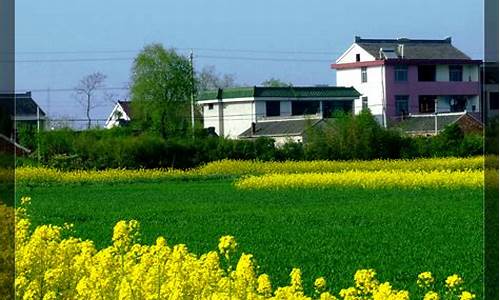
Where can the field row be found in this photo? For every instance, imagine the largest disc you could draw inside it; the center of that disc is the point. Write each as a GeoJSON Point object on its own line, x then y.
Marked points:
{"type": "Point", "coordinates": [32, 175]}
{"type": "Point", "coordinates": [49, 266]}
{"type": "Point", "coordinates": [369, 180]}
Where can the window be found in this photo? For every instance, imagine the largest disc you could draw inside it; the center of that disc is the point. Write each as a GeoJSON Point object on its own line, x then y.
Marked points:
{"type": "Point", "coordinates": [364, 75]}
{"type": "Point", "coordinates": [402, 105]}
{"type": "Point", "coordinates": [493, 100]}
{"type": "Point", "coordinates": [458, 103]}
{"type": "Point", "coordinates": [358, 57]}
{"type": "Point", "coordinates": [426, 104]}
{"type": "Point", "coordinates": [427, 73]}
{"type": "Point", "coordinates": [456, 73]}
{"type": "Point", "coordinates": [364, 103]}
{"type": "Point", "coordinates": [401, 73]}
{"type": "Point", "coordinates": [272, 108]}
{"type": "Point", "coordinates": [300, 108]}
{"type": "Point", "coordinates": [210, 106]}
{"type": "Point", "coordinates": [332, 107]}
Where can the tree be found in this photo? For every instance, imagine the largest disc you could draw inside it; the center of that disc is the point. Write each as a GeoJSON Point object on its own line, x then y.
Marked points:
{"type": "Point", "coordinates": [209, 79]}
{"type": "Point", "coordinates": [86, 90]}
{"type": "Point", "coordinates": [161, 90]}
{"type": "Point", "coordinates": [273, 82]}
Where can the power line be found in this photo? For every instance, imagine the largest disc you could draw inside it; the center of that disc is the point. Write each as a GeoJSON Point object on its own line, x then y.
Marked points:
{"type": "Point", "coordinates": [183, 49]}
{"type": "Point", "coordinates": [70, 89]}
{"type": "Point", "coordinates": [245, 58]}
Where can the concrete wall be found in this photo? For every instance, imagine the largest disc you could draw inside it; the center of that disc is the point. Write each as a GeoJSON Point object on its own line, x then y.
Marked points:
{"type": "Point", "coordinates": [350, 55]}
{"type": "Point", "coordinates": [469, 72]}
{"type": "Point", "coordinates": [117, 114]}
{"type": "Point", "coordinates": [373, 88]}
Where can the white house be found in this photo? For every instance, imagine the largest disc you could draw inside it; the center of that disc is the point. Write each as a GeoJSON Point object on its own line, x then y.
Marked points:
{"type": "Point", "coordinates": [282, 113]}
{"type": "Point", "coordinates": [401, 77]}
{"type": "Point", "coordinates": [120, 115]}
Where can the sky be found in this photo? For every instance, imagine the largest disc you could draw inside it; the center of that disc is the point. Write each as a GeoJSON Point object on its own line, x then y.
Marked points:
{"type": "Point", "coordinates": [58, 41]}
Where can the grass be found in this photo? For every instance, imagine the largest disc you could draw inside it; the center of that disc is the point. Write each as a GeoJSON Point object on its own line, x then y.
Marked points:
{"type": "Point", "coordinates": [327, 232]}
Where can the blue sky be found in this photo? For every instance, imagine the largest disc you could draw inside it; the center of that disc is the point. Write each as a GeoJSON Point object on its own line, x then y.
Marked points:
{"type": "Point", "coordinates": [288, 39]}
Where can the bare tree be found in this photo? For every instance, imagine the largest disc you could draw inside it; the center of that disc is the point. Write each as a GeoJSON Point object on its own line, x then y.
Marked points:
{"type": "Point", "coordinates": [86, 90]}
{"type": "Point", "coordinates": [209, 79]}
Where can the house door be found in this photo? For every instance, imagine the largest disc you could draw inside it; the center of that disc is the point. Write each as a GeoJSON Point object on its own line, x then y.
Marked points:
{"type": "Point", "coordinates": [426, 104]}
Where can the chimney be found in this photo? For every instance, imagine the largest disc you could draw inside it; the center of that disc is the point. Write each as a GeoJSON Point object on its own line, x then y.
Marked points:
{"type": "Point", "coordinates": [401, 49]}
{"type": "Point", "coordinates": [253, 128]}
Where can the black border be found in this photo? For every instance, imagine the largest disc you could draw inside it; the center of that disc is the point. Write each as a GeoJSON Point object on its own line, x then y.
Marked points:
{"type": "Point", "coordinates": [7, 150]}
{"type": "Point", "coordinates": [491, 246]}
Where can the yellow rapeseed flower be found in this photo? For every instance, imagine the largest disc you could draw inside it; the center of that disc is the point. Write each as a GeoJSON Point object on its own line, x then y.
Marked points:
{"type": "Point", "coordinates": [453, 281]}
{"type": "Point", "coordinates": [320, 284]}
{"type": "Point", "coordinates": [425, 279]}
{"type": "Point", "coordinates": [467, 296]}
{"type": "Point", "coordinates": [431, 295]}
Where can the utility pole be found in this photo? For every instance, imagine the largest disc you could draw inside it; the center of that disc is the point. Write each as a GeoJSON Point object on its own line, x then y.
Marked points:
{"type": "Point", "coordinates": [38, 133]}
{"type": "Point", "coordinates": [192, 91]}
{"type": "Point", "coordinates": [436, 116]}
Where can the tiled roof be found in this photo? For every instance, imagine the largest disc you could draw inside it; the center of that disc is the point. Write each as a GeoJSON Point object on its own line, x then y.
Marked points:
{"type": "Point", "coordinates": [25, 105]}
{"type": "Point", "coordinates": [280, 128]}
{"type": "Point", "coordinates": [280, 92]}
{"type": "Point", "coordinates": [427, 123]}
{"type": "Point", "coordinates": [414, 49]}
{"type": "Point", "coordinates": [126, 107]}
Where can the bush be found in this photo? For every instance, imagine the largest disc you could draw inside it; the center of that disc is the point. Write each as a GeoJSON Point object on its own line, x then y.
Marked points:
{"type": "Point", "coordinates": [346, 137]}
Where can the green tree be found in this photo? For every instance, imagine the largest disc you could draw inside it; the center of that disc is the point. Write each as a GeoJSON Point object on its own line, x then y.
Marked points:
{"type": "Point", "coordinates": [273, 82]}
{"type": "Point", "coordinates": [161, 90]}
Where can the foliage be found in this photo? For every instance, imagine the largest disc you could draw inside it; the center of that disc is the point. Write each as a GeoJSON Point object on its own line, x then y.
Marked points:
{"type": "Point", "coordinates": [273, 82]}
{"type": "Point", "coordinates": [51, 266]}
{"type": "Point", "coordinates": [367, 180]}
{"type": "Point", "coordinates": [358, 228]}
{"type": "Point", "coordinates": [351, 137]}
{"type": "Point", "coordinates": [161, 90]}
{"type": "Point", "coordinates": [345, 137]}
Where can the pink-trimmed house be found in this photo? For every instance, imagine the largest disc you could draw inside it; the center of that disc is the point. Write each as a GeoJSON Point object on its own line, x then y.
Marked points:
{"type": "Point", "coordinates": [401, 77]}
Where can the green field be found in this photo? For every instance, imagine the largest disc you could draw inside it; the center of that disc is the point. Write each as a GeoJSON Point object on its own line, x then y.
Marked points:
{"type": "Point", "coordinates": [325, 232]}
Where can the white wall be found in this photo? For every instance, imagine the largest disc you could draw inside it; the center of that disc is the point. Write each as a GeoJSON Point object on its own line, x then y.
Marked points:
{"type": "Point", "coordinates": [473, 101]}
{"type": "Point", "coordinates": [350, 55]}
{"type": "Point", "coordinates": [260, 109]}
{"type": "Point", "coordinates": [472, 71]}
{"type": "Point", "coordinates": [373, 88]}
{"type": "Point", "coordinates": [443, 73]}
{"type": "Point", "coordinates": [211, 117]}
{"type": "Point", "coordinates": [116, 114]}
{"type": "Point", "coordinates": [238, 117]}
{"type": "Point", "coordinates": [285, 108]}
{"type": "Point", "coordinates": [444, 104]}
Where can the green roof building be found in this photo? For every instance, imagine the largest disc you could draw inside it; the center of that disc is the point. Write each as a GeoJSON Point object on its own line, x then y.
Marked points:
{"type": "Point", "coordinates": [242, 112]}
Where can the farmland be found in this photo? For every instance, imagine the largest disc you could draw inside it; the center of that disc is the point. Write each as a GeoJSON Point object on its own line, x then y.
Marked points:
{"type": "Point", "coordinates": [331, 231]}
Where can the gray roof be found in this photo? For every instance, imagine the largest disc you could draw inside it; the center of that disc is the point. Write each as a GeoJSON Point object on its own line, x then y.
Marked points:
{"type": "Point", "coordinates": [280, 128]}
{"type": "Point", "coordinates": [281, 92]}
{"type": "Point", "coordinates": [426, 124]}
{"type": "Point", "coordinates": [414, 49]}
{"type": "Point", "coordinates": [25, 104]}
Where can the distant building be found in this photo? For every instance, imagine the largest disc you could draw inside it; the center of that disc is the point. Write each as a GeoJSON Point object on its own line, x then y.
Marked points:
{"type": "Point", "coordinates": [26, 112]}
{"type": "Point", "coordinates": [282, 113]}
{"type": "Point", "coordinates": [398, 77]}
{"type": "Point", "coordinates": [120, 115]}
{"type": "Point", "coordinates": [430, 124]}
